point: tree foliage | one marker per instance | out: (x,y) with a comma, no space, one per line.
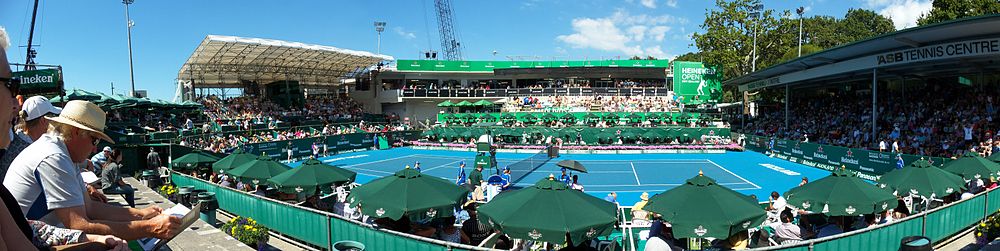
(727,39)
(944,10)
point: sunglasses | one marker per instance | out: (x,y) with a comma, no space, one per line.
(97,140)
(12,84)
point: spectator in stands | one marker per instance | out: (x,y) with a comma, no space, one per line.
(153,161)
(48,186)
(100,158)
(787,230)
(473,228)
(32,123)
(576,185)
(451,233)
(612,197)
(111,179)
(833,226)
(661,238)
(805,180)
(776,202)
(476,177)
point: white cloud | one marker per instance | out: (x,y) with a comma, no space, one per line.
(648,3)
(403,33)
(672,3)
(621,33)
(904,13)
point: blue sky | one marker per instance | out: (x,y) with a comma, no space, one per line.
(88,38)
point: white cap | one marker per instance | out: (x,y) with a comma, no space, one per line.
(38,106)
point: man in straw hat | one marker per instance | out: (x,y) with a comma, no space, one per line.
(48,186)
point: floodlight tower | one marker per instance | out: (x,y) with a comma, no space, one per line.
(129,24)
(379,28)
(450,45)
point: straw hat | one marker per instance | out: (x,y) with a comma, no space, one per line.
(644,196)
(84,115)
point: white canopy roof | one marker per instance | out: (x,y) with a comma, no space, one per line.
(226,61)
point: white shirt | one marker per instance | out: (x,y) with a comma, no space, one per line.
(895,146)
(779,204)
(968,133)
(881,145)
(63,185)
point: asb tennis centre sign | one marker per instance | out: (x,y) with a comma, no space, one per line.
(697,83)
(940,51)
(866,163)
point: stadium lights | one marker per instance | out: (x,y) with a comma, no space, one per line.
(129,23)
(800,10)
(755,11)
(379,28)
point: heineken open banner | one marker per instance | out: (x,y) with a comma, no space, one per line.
(39,81)
(334,143)
(867,164)
(697,83)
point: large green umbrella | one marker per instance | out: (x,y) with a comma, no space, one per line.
(311,174)
(78,94)
(233,160)
(446,103)
(483,103)
(922,179)
(548,211)
(591,116)
(464,103)
(634,117)
(973,166)
(841,194)
(549,116)
(508,116)
(701,208)
(568,116)
(572,165)
(258,170)
(628,134)
(652,134)
(407,192)
(528,117)
(193,160)
(995,157)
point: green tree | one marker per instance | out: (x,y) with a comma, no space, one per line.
(821,31)
(793,52)
(728,37)
(691,57)
(944,10)
(860,24)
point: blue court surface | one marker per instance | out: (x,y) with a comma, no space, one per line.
(627,174)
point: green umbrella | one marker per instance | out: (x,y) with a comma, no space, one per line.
(973,166)
(446,103)
(508,116)
(652,134)
(568,116)
(922,179)
(528,116)
(995,157)
(258,170)
(591,116)
(483,103)
(78,94)
(194,160)
(605,135)
(549,116)
(407,192)
(311,174)
(841,194)
(105,99)
(488,117)
(701,208)
(464,103)
(428,133)
(449,116)
(548,211)
(611,115)
(233,160)
(628,134)
(572,165)
(634,116)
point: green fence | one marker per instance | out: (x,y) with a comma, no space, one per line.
(680,117)
(868,164)
(588,134)
(310,226)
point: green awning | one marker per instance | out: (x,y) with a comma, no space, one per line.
(464,103)
(483,103)
(446,103)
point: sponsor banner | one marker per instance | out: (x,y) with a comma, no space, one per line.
(697,83)
(39,81)
(868,164)
(629,151)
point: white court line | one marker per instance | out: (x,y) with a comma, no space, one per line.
(377,161)
(655,190)
(440,166)
(635,173)
(730,172)
(592,172)
(665,184)
(370,170)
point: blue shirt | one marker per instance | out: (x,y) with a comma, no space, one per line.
(506,179)
(565,179)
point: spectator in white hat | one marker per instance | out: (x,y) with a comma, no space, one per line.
(100,159)
(48,187)
(32,124)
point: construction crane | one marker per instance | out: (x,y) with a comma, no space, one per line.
(450,45)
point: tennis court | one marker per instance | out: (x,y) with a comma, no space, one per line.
(626,174)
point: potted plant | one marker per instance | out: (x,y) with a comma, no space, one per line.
(169,191)
(247,231)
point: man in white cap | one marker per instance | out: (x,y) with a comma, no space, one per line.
(32,124)
(48,187)
(100,158)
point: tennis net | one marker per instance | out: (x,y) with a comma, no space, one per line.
(522,168)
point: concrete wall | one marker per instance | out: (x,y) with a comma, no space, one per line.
(418,110)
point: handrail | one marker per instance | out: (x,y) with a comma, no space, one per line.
(445,244)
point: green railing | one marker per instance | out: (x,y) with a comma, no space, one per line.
(591,135)
(680,117)
(318,228)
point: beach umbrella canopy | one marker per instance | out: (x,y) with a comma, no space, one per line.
(841,194)
(972,166)
(528,116)
(311,174)
(590,116)
(508,116)
(483,103)
(572,165)
(628,134)
(407,192)
(464,103)
(77,94)
(548,211)
(194,160)
(652,134)
(634,116)
(258,170)
(995,157)
(233,160)
(568,116)
(549,116)
(922,179)
(446,103)
(702,208)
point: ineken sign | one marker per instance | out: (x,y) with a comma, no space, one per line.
(940,51)
(39,81)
